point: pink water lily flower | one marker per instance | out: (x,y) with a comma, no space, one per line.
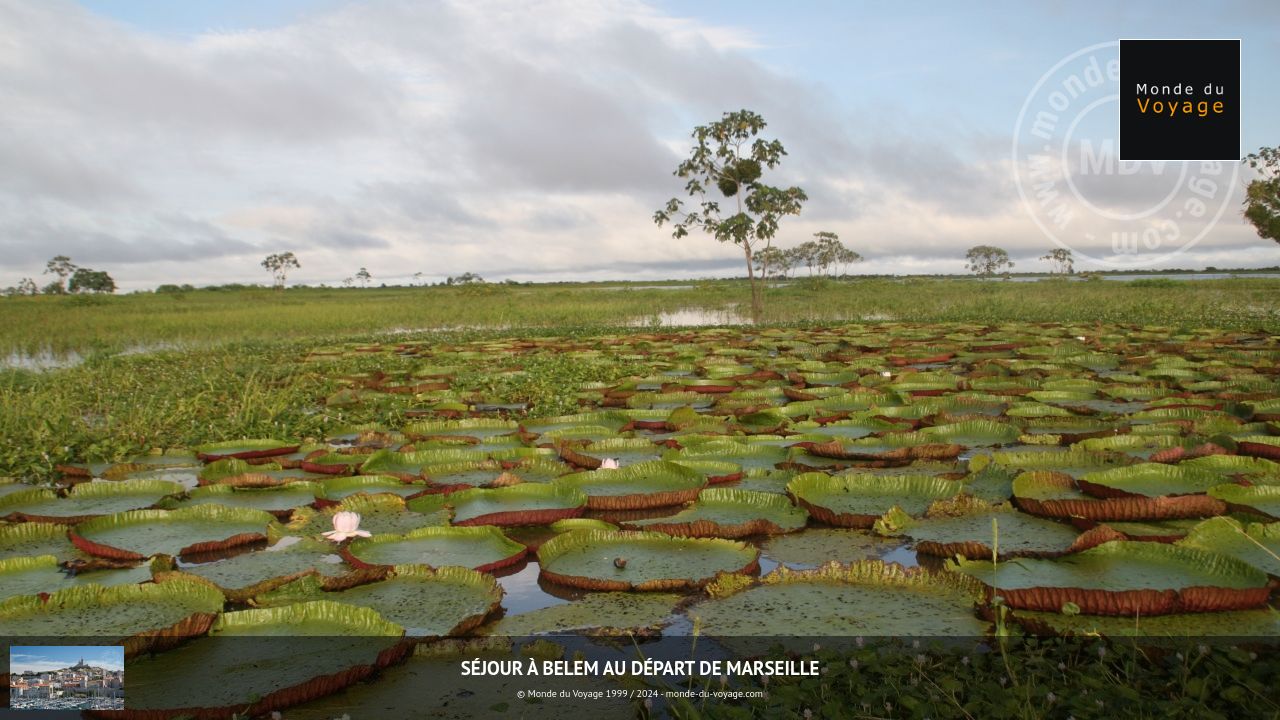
(609,464)
(346,525)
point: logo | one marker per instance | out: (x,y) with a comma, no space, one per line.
(1117,213)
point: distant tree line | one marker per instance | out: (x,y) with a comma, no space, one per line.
(69,278)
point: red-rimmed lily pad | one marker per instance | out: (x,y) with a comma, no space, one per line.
(244,449)
(605,614)
(1255,543)
(482,548)
(245,575)
(647,561)
(32,538)
(1125,578)
(139,534)
(1261,499)
(972,529)
(1056,495)
(1148,480)
(858,500)
(279,500)
(729,513)
(144,618)
(86,500)
(340,487)
(636,487)
(425,601)
(331,645)
(522,504)
(44,574)
(868,598)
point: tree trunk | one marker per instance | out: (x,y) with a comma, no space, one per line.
(757,302)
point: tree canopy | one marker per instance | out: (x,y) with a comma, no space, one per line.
(729,156)
(1262,196)
(987,260)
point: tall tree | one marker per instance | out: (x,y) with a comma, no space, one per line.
(1262,196)
(364,277)
(1060,260)
(729,156)
(279,265)
(62,267)
(987,260)
(771,258)
(94,281)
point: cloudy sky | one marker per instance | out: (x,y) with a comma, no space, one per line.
(181,142)
(46,658)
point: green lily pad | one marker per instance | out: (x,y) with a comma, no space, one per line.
(244,449)
(857,500)
(244,575)
(605,613)
(868,598)
(974,433)
(31,538)
(973,531)
(1125,578)
(273,499)
(729,513)
(482,548)
(120,611)
(332,645)
(338,488)
(1149,480)
(636,487)
(138,534)
(380,514)
(1256,543)
(603,560)
(88,499)
(1264,499)
(523,504)
(819,546)
(425,601)
(31,575)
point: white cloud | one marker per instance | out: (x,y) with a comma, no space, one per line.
(530,141)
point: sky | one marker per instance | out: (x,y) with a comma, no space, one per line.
(182,142)
(42,658)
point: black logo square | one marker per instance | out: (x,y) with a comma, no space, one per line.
(1180,100)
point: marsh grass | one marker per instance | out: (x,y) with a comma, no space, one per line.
(32,325)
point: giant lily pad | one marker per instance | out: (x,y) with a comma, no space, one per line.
(1255,543)
(618,560)
(1263,499)
(729,513)
(138,534)
(330,646)
(972,529)
(482,548)
(1055,494)
(86,500)
(379,514)
(857,500)
(340,487)
(279,500)
(143,616)
(42,574)
(636,487)
(1148,480)
(819,546)
(31,538)
(523,504)
(425,601)
(605,614)
(865,598)
(1125,578)
(244,575)
(244,449)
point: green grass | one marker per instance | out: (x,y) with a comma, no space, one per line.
(60,325)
